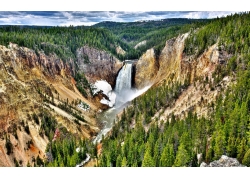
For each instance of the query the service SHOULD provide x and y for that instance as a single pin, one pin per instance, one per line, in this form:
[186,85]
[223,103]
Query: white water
[106,89]
[124,94]
[124,78]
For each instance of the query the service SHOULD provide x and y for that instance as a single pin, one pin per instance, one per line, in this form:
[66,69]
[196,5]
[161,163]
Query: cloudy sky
[66,18]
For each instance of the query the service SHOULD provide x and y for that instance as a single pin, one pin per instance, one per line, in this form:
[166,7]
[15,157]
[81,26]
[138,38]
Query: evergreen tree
[167,156]
[148,160]
[124,162]
[246,159]
[182,157]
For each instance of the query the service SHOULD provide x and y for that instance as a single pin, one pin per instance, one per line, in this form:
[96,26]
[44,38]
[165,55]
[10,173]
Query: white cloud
[77,23]
[88,18]
[208,14]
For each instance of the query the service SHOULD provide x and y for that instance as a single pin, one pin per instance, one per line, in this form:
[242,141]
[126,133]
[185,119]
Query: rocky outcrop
[145,69]
[173,65]
[140,44]
[50,65]
[98,65]
[224,161]
[119,50]
[170,60]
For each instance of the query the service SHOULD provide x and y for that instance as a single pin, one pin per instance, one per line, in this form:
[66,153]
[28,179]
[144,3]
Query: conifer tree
[182,157]
[167,156]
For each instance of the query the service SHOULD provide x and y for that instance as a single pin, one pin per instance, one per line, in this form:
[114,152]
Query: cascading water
[123,80]
[123,84]
[124,93]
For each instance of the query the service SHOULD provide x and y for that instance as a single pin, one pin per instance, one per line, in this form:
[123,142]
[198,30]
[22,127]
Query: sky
[89,12]
[87,18]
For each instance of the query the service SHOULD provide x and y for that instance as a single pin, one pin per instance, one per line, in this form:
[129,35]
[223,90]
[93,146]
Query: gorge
[125,93]
[143,94]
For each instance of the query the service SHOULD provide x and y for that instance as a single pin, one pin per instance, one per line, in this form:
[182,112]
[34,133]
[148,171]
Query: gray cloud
[66,18]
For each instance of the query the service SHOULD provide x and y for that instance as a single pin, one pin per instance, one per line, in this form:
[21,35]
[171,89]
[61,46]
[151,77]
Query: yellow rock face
[146,69]
[22,75]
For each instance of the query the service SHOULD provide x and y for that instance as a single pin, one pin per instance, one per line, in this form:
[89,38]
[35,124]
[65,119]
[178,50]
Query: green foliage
[48,125]
[124,162]
[228,31]
[82,84]
[246,159]
[176,143]
[167,156]
[39,161]
[148,160]
[27,129]
[154,32]
[16,163]
[68,108]
[62,41]
[86,59]
[182,157]
[35,118]
[64,152]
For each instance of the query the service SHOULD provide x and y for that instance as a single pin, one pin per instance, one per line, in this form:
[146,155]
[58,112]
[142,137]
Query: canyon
[23,73]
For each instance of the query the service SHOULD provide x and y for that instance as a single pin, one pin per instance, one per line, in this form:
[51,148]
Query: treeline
[132,32]
[156,33]
[232,33]
[63,41]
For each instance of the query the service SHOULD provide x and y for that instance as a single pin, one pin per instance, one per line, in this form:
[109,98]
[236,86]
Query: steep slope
[146,69]
[176,67]
[97,64]
[31,87]
[198,106]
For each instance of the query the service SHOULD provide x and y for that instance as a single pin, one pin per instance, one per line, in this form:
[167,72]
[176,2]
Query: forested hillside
[177,142]
[62,41]
[154,32]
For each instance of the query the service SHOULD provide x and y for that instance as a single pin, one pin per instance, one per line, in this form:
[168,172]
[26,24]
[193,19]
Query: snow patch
[104,87]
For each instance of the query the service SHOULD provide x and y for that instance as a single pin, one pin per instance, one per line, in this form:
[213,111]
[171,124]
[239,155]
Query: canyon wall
[97,64]
[32,85]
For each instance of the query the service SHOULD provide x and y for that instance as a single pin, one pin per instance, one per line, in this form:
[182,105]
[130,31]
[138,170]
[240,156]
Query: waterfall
[123,81]
[124,94]
[123,84]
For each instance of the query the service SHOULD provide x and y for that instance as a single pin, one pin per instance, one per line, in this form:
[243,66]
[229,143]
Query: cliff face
[26,80]
[170,60]
[145,69]
[50,65]
[174,66]
[97,65]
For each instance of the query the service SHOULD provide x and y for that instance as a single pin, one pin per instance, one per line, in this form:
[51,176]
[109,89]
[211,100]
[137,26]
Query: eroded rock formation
[26,80]
[145,69]
[98,65]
